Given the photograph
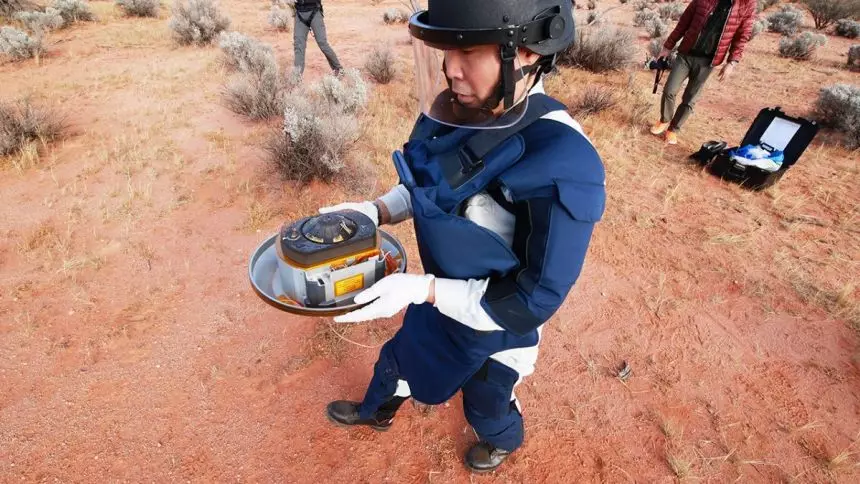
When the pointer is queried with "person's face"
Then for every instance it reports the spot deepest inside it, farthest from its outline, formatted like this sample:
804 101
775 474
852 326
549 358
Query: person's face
475 72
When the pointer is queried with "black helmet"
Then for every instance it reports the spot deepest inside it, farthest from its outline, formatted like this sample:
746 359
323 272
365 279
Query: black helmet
545 27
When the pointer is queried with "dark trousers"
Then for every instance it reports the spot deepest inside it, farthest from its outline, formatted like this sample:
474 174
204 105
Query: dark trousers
487 402
697 69
300 40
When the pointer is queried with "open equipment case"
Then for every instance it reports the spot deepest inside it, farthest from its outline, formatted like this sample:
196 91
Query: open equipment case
777 130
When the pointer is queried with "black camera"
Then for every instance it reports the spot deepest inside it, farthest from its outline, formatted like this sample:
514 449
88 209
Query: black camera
661 64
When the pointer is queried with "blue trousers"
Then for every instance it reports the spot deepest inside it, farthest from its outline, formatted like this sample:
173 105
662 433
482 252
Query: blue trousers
487 400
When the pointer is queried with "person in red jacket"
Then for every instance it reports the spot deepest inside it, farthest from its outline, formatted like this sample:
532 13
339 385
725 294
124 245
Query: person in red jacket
710 31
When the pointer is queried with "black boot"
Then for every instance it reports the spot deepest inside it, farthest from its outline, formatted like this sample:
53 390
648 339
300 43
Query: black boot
484 457
345 413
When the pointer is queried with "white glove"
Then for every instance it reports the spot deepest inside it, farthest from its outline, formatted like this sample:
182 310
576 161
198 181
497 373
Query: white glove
367 208
392 294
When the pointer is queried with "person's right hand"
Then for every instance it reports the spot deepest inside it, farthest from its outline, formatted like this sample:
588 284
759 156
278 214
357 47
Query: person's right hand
367 208
664 52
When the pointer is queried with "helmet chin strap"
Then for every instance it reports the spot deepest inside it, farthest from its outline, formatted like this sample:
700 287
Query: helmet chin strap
506 89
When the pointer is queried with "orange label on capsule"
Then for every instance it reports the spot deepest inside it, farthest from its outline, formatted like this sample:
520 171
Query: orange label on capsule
348 285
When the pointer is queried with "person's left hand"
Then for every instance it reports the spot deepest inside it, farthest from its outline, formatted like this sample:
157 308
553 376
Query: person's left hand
726 71
392 294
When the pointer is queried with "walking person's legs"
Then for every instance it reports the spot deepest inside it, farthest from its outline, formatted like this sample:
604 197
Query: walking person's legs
300 42
493 413
700 70
384 396
680 71
318 26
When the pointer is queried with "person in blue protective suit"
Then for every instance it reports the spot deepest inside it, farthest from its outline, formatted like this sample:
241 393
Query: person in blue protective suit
504 191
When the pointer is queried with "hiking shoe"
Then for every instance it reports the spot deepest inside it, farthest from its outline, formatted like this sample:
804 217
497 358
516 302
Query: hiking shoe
671 137
659 128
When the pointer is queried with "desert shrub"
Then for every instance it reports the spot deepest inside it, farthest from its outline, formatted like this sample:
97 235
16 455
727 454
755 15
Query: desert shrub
655 46
594 100
246 54
657 28
74 11
256 96
600 50
380 64
644 5
787 21
838 106
759 26
41 22
763 5
826 12
8 8
281 18
671 11
258 90
22 123
847 28
197 22
315 138
642 17
854 56
139 8
18 45
395 16
801 47
348 92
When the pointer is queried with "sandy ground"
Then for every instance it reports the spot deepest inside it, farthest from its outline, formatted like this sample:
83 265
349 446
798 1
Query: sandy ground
133 349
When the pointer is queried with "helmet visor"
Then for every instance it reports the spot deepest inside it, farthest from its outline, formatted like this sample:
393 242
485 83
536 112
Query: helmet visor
461 86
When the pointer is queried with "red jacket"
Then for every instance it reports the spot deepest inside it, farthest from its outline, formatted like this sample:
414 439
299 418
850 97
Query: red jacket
736 32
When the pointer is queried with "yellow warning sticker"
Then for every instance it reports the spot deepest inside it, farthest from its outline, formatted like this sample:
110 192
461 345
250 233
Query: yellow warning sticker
346 286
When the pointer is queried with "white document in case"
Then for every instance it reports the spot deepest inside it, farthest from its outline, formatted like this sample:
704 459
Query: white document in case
779 133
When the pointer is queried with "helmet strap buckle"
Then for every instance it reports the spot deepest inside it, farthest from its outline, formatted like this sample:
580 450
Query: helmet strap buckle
509 83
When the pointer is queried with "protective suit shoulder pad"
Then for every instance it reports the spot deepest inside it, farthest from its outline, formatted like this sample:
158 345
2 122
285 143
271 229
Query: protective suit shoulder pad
559 161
